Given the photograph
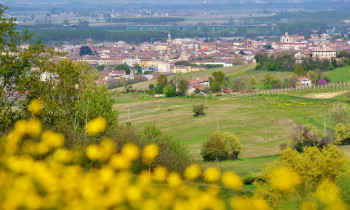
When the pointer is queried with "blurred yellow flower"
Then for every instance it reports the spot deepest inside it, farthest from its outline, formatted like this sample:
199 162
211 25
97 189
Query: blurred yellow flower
35 106
34 127
174 179
328 192
193 171
63 155
245 203
21 127
52 139
131 151
212 174
232 180
93 152
149 153
308 205
160 173
120 162
284 179
108 148
96 126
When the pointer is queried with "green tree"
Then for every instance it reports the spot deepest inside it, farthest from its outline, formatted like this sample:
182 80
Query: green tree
198 109
342 132
214 148
217 81
85 50
169 91
138 68
162 81
304 136
71 96
65 22
232 145
182 87
123 67
252 82
15 66
299 70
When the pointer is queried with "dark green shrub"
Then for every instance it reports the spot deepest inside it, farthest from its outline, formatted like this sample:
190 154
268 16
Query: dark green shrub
198 109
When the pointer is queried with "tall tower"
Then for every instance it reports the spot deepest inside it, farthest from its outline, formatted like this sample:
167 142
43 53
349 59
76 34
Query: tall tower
169 46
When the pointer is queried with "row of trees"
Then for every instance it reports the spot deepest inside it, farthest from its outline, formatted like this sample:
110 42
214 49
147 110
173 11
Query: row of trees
287 62
79 36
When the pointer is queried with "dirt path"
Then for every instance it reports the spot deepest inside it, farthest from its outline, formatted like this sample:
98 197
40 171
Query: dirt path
326 95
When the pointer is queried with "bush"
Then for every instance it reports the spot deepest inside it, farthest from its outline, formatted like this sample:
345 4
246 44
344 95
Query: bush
173 155
304 173
214 148
169 91
198 109
302 136
221 146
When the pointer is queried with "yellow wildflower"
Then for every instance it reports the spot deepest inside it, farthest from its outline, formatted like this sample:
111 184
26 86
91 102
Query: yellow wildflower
120 161
232 180
244 203
21 127
160 173
284 179
212 174
34 127
193 171
35 106
328 192
150 152
96 126
108 147
63 155
131 151
52 139
174 179
93 152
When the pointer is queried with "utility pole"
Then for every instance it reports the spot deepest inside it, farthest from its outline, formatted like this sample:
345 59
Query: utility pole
217 119
324 126
128 113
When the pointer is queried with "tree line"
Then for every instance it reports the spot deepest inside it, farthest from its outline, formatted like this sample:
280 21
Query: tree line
80 36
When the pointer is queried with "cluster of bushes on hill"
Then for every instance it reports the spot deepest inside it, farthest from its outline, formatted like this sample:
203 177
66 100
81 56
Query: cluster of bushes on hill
287 62
221 146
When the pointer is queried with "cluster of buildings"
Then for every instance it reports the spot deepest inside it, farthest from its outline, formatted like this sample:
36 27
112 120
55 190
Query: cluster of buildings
163 57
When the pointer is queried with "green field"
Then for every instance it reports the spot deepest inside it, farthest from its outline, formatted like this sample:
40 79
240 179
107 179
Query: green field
261 122
341 74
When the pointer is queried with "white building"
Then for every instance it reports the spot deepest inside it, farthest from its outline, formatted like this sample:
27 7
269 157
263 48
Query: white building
164 67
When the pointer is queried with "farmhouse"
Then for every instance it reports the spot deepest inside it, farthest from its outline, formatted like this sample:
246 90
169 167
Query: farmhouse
303 82
198 83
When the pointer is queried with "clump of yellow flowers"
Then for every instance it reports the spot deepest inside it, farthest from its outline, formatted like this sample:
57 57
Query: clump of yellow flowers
55 181
37 172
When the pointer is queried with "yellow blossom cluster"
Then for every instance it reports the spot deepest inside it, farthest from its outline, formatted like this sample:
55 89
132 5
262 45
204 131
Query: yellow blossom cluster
55 181
35 106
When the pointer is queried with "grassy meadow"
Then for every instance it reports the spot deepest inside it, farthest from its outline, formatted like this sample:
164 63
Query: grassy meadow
341 74
261 122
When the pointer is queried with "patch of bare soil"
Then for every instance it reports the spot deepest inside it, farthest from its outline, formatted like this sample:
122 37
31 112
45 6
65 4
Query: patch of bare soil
326 95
